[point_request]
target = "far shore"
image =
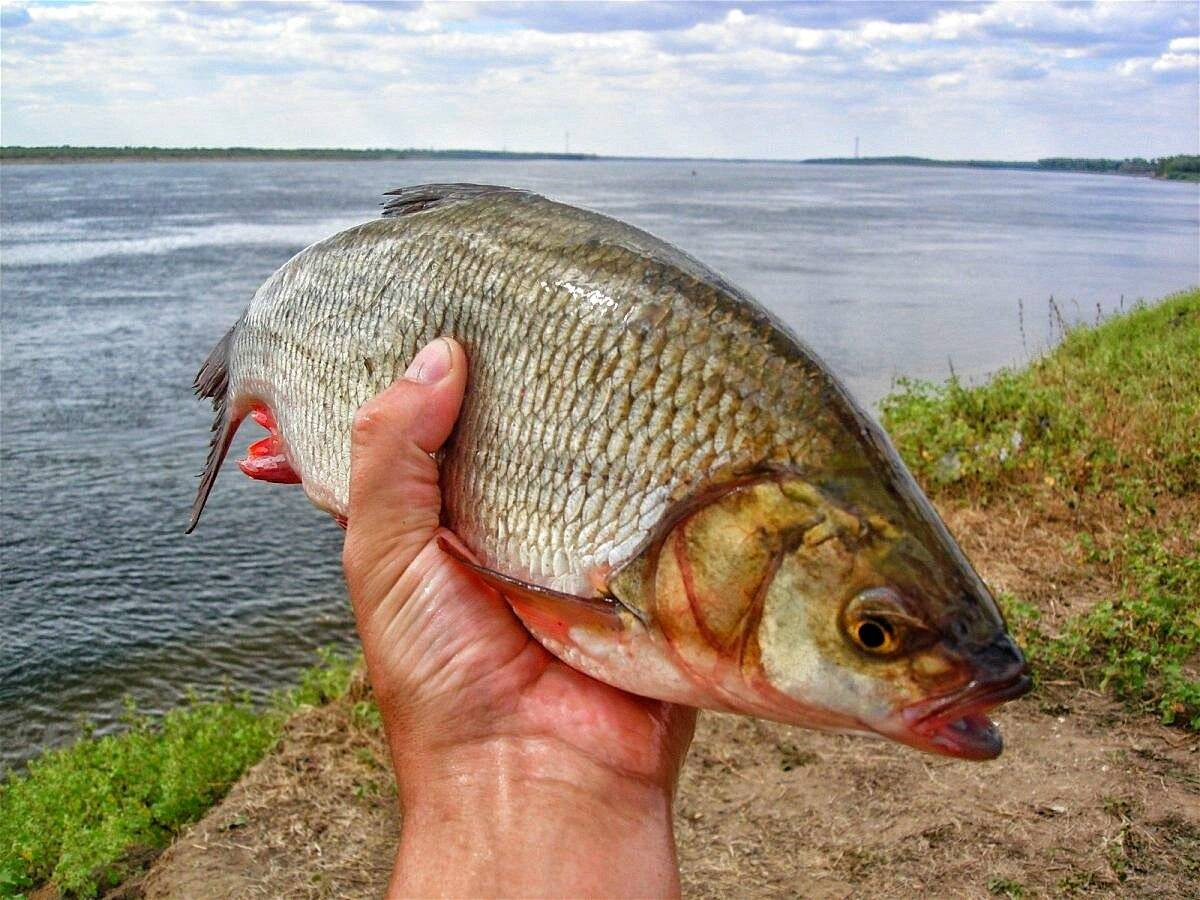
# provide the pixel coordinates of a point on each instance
(1174, 168)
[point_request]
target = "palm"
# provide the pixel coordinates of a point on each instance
(460, 663)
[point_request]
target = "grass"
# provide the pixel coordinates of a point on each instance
(1145, 645)
(1106, 425)
(77, 817)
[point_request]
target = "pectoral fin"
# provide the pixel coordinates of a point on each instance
(266, 460)
(543, 609)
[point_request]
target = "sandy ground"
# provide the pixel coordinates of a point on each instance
(1086, 800)
(1083, 802)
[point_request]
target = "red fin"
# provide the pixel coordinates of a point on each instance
(263, 417)
(266, 459)
(547, 610)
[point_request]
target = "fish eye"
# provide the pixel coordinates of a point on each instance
(876, 621)
(874, 634)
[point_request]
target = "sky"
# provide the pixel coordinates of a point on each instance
(765, 80)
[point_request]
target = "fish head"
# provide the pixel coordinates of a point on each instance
(828, 604)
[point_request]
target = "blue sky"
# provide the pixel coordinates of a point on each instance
(776, 80)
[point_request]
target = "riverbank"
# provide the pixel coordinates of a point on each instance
(1072, 484)
(1169, 168)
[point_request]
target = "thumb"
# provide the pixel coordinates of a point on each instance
(395, 502)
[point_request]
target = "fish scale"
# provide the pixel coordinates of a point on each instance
(594, 398)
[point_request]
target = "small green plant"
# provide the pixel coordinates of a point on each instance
(365, 715)
(1144, 646)
(1006, 887)
(323, 682)
(1077, 882)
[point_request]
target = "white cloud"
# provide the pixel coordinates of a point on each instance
(948, 80)
(992, 80)
(1176, 62)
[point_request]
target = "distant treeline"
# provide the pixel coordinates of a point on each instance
(83, 154)
(1174, 167)
(1186, 168)
(923, 161)
(1178, 168)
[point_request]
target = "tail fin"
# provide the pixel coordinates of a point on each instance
(212, 381)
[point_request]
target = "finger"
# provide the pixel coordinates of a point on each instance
(395, 502)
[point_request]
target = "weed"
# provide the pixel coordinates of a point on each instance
(365, 715)
(323, 682)
(1078, 882)
(1145, 644)
(1006, 887)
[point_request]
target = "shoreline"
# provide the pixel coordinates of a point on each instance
(68, 155)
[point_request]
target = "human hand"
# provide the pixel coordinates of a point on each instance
(517, 774)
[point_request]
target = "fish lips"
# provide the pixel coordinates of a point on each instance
(956, 724)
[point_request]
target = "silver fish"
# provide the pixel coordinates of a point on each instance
(673, 492)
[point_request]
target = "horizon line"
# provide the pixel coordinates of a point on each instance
(46, 149)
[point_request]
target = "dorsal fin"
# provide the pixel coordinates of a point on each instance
(212, 382)
(407, 200)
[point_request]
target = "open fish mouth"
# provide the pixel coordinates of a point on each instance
(956, 724)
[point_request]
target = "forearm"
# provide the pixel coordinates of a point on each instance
(533, 823)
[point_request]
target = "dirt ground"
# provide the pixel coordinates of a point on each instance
(1086, 800)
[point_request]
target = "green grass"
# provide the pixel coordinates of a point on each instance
(76, 814)
(1107, 423)
(1144, 646)
(1115, 406)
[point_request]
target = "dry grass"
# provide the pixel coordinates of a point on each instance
(316, 818)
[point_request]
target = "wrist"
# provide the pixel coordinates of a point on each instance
(513, 816)
(542, 764)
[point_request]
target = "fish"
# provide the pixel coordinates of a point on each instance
(672, 491)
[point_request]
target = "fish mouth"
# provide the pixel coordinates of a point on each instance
(956, 724)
